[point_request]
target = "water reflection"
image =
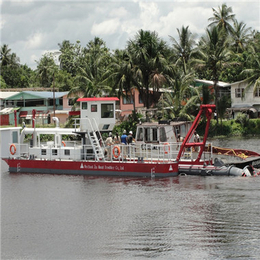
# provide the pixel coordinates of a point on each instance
(77, 217)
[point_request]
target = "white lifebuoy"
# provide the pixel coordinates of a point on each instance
(116, 151)
(12, 149)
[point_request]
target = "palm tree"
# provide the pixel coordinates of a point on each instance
(240, 36)
(46, 70)
(181, 96)
(182, 47)
(222, 18)
(88, 84)
(7, 58)
(90, 80)
(253, 73)
(69, 56)
(147, 52)
(213, 55)
(120, 73)
(5, 55)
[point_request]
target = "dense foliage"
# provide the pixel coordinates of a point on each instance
(229, 51)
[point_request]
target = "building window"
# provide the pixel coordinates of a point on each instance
(70, 102)
(30, 103)
(84, 105)
(93, 108)
(140, 100)
(239, 92)
(128, 99)
(107, 110)
(257, 92)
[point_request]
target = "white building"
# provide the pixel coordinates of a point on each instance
(244, 99)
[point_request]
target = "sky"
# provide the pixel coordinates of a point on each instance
(31, 28)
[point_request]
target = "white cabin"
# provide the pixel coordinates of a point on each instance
(101, 109)
(9, 135)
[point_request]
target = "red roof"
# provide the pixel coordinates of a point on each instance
(99, 99)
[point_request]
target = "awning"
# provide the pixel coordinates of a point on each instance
(253, 110)
(8, 110)
(243, 109)
(74, 113)
(62, 112)
(41, 114)
(23, 113)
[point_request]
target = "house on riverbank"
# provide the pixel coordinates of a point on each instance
(46, 105)
(245, 99)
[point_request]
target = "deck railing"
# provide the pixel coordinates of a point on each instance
(136, 152)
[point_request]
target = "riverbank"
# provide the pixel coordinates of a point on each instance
(234, 127)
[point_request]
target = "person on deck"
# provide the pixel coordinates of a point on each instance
(124, 142)
(130, 140)
(124, 137)
(108, 143)
(130, 137)
(117, 139)
(196, 140)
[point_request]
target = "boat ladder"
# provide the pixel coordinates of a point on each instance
(96, 140)
(96, 146)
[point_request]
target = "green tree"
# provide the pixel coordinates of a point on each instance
(89, 80)
(5, 55)
(213, 55)
(2, 83)
(46, 70)
(223, 103)
(222, 18)
(148, 51)
(182, 97)
(240, 36)
(120, 74)
(253, 72)
(70, 56)
(182, 48)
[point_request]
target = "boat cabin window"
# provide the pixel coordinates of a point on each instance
(54, 152)
(107, 110)
(105, 127)
(15, 137)
(150, 135)
(66, 152)
(43, 152)
(84, 105)
(162, 134)
(93, 108)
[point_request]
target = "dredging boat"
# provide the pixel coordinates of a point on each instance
(82, 151)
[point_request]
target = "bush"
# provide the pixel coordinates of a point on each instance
(242, 119)
(241, 126)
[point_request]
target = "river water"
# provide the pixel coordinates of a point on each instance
(77, 217)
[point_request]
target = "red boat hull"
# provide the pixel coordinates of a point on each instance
(130, 168)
